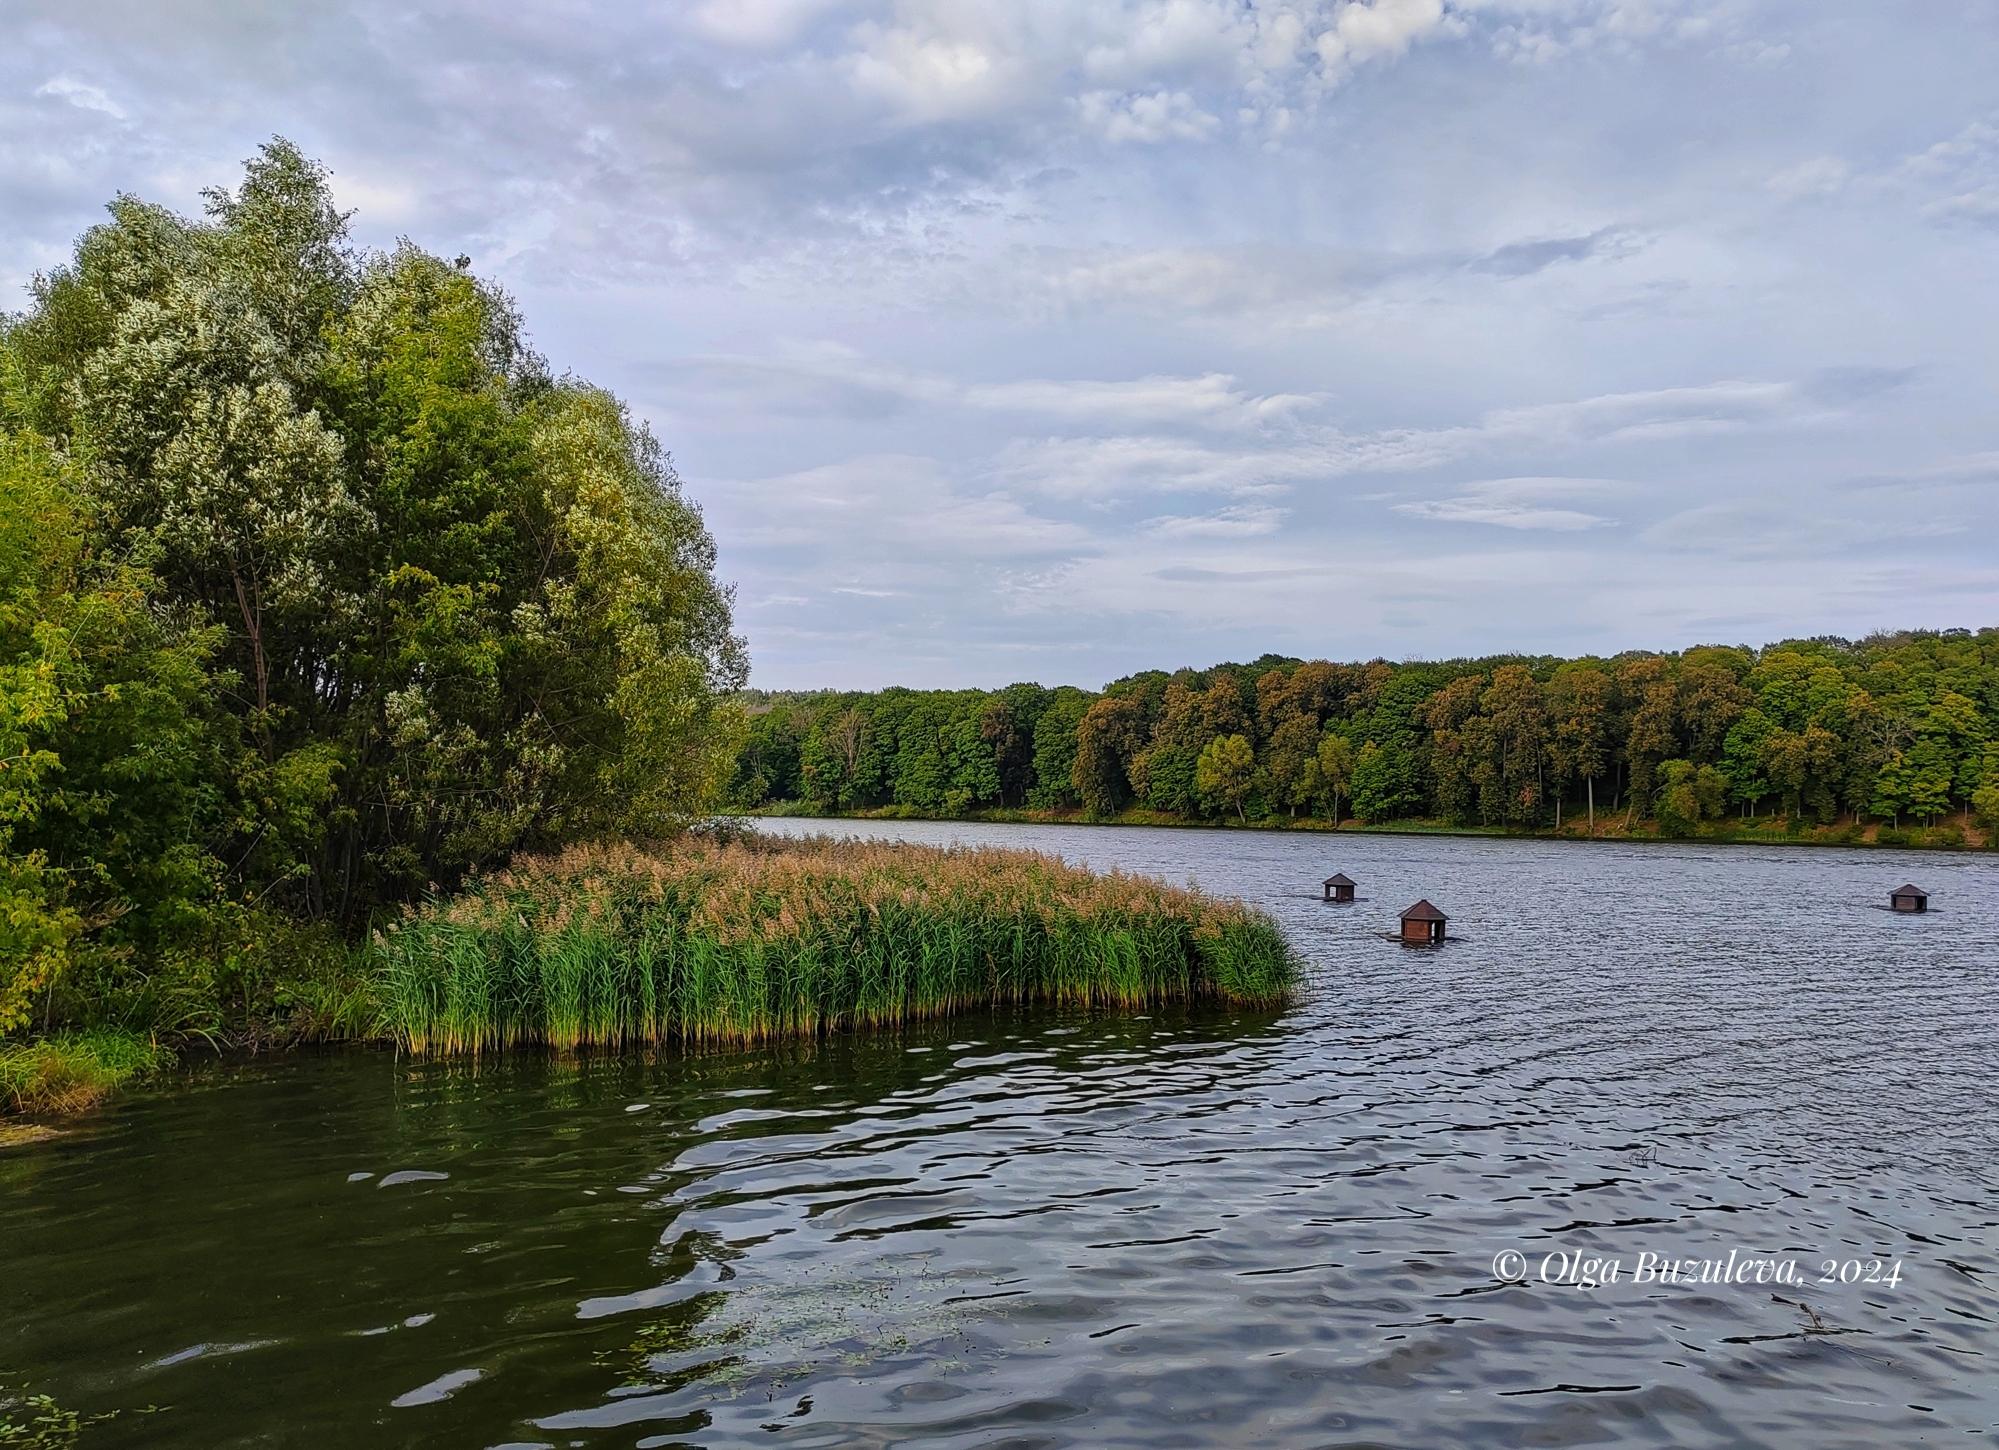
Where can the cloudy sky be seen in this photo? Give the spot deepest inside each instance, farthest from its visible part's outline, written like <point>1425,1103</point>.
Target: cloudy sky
<point>1021,339</point>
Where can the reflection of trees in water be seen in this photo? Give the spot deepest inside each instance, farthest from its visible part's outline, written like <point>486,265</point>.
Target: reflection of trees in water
<point>748,1321</point>
<point>771,1323</point>
<point>687,1083</point>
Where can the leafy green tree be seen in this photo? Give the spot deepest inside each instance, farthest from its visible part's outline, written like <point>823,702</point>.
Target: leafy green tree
<point>1711,790</point>
<point>769,766</point>
<point>1162,772</point>
<point>1458,740</point>
<point>1108,737</point>
<point>923,756</point>
<point>1289,762</point>
<point>1688,795</point>
<point>1930,774</point>
<point>830,753</point>
<point>1893,788</point>
<point>1579,708</point>
<point>1958,729</point>
<point>1651,738</point>
<point>1819,725</point>
<point>1055,750</point>
<point>106,818</point>
<point>1007,723</point>
<point>460,606</point>
<point>1821,765</point>
<point>975,766</point>
<point>1386,784</point>
<point>1711,698</point>
<point>1745,756</point>
<point>1331,776</point>
<point>1517,744</point>
<point>1224,772</point>
<point>1985,803</point>
<point>1678,808</point>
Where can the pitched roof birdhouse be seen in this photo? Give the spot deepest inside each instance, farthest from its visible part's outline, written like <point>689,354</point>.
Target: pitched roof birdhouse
<point>1422,925</point>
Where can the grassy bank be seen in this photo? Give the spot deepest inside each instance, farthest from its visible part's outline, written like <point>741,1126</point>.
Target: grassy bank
<point>270,985</point>
<point>73,1071</point>
<point>1948,835</point>
<point>744,941</point>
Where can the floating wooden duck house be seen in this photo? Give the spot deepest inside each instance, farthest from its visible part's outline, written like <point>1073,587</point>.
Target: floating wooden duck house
<point>1339,887</point>
<point>1422,925</point>
<point>1909,898</point>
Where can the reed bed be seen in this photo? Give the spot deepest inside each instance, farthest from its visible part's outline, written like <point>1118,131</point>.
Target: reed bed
<point>744,941</point>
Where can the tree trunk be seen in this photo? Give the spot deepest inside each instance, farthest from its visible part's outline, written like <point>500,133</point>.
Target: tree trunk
<point>253,626</point>
<point>1592,805</point>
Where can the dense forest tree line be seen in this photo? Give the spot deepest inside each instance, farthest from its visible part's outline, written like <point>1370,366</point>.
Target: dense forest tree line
<point>317,588</point>
<point>1901,728</point>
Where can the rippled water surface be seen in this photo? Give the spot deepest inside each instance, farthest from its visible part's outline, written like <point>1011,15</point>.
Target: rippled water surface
<point>1270,1229</point>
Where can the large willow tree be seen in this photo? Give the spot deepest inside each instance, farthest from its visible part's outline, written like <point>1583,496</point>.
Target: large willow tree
<point>445,604</point>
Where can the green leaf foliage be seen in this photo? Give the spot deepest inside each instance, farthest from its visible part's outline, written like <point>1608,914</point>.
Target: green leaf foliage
<point>1898,728</point>
<point>318,587</point>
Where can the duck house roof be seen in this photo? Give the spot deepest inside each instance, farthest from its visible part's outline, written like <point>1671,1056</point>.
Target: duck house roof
<point>1338,878</point>
<point>1423,911</point>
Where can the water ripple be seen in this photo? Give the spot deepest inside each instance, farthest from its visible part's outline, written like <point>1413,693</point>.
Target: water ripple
<point>1183,1229</point>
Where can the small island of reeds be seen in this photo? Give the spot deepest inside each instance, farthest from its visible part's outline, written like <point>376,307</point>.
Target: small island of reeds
<point>704,941</point>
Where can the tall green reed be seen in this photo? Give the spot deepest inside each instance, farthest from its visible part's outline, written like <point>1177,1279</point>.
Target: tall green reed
<point>707,942</point>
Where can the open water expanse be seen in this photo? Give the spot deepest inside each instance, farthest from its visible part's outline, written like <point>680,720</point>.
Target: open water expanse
<point>1189,1229</point>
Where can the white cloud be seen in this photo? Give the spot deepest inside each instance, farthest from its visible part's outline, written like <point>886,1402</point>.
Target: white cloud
<point>1177,38</point>
<point>1979,206</point>
<point>1154,310</point>
<point>1211,400</point>
<point>82,95</point>
<point>1653,415</point>
<point>1778,528</point>
<point>1820,176</point>
<point>1544,31</point>
<point>828,377</point>
<point>1520,503</point>
<point>755,24</point>
<point>1137,465</point>
<point>930,78</point>
<point>1241,521</point>
<point>1971,150</point>
<point>1366,29</point>
<point>1199,279</point>
<point>1160,116</point>
<point>888,507</point>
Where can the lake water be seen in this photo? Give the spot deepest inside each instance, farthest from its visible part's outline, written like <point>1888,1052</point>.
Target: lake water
<point>1193,1229</point>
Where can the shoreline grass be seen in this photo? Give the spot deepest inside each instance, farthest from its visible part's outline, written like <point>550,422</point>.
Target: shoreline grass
<point>1947,835</point>
<point>73,1071</point>
<point>706,942</point>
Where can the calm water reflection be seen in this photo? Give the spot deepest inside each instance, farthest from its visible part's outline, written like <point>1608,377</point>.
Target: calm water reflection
<point>1204,1229</point>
